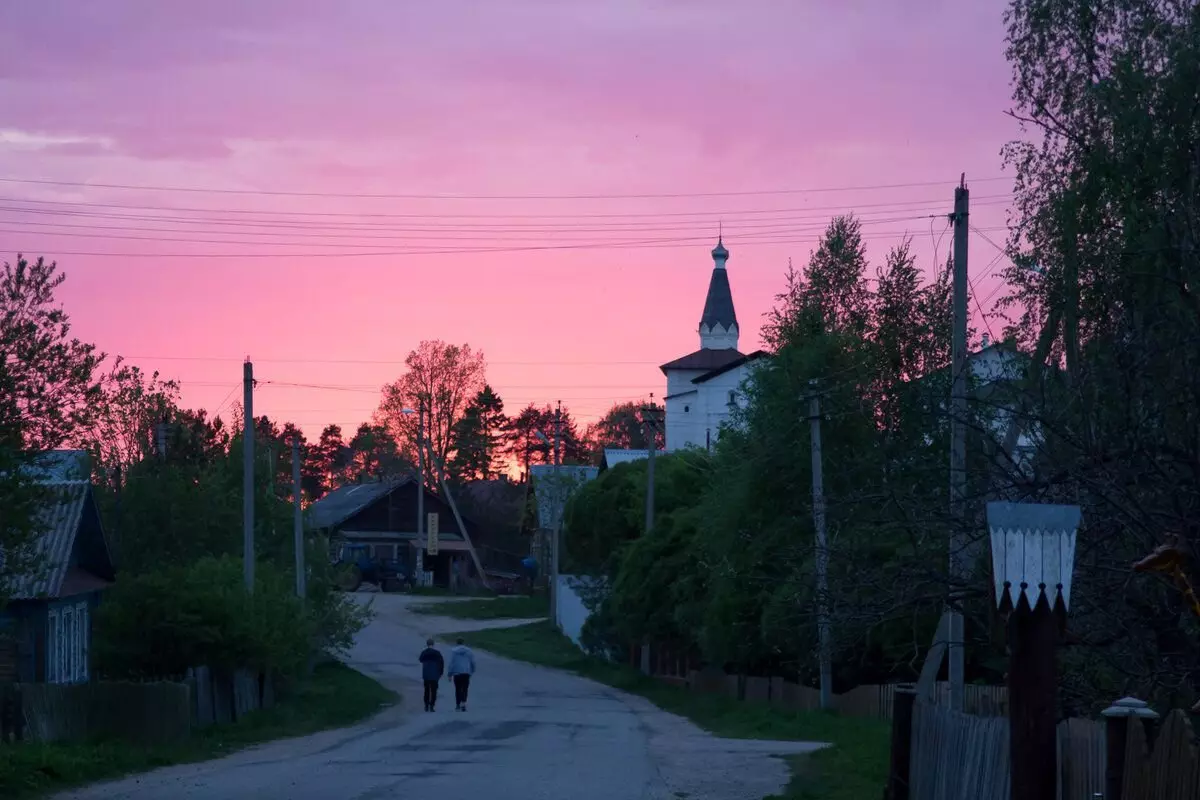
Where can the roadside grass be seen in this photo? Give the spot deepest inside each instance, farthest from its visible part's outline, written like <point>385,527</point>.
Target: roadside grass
<point>522,607</point>
<point>333,696</point>
<point>440,591</point>
<point>853,768</point>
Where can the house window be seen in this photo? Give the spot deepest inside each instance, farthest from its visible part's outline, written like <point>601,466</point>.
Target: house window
<point>732,398</point>
<point>686,409</point>
<point>67,644</point>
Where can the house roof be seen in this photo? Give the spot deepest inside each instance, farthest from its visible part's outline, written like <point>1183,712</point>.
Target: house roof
<point>746,359</point>
<point>60,465</point>
<point>553,487</point>
<point>704,359</point>
<point>341,504</point>
<point>58,522</point>
<point>614,456</point>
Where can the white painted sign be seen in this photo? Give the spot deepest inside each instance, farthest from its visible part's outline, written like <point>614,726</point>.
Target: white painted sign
<point>431,527</point>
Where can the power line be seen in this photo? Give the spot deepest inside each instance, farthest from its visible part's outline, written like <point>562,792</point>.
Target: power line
<point>778,230</point>
<point>304,217</point>
<point>635,244</point>
<point>410,196</point>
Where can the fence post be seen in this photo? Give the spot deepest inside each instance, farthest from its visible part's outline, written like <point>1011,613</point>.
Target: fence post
<point>1117,719</point>
<point>902,719</point>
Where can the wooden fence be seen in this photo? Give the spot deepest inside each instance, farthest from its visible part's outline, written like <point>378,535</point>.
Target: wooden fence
<point>871,700</point>
<point>953,755</point>
<point>1168,770</point>
<point>140,712</point>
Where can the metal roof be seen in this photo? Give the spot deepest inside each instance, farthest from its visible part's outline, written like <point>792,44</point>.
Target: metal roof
<point>718,304</point>
<point>553,487</point>
<point>746,359</point>
<point>57,522</point>
<point>614,456</point>
<point>341,504</point>
<point>704,359</point>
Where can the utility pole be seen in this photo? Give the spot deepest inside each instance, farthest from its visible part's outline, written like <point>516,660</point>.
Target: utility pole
<point>248,474</point>
<point>958,444</point>
<point>558,512</point>
<point>650,417</point>
<point>825,655</point>
<point>298,521</point>
<point>420,475</point>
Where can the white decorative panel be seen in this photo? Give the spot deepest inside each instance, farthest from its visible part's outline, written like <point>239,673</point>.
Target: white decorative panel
<point>1033,545</point>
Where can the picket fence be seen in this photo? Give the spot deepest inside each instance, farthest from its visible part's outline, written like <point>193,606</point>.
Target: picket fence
<point>141,712</point>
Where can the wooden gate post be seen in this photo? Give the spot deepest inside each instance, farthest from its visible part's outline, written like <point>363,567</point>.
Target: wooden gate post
<point>1117,719</point>
<point>1033,554</point>
<point>901,754</point>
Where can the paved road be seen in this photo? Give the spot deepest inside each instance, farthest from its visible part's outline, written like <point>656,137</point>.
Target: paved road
<point>530,734</point>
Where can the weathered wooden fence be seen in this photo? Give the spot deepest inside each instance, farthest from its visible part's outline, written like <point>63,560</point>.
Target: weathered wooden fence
<point>952,755</point>
<point>1169,769</point>
<point>141,712</point>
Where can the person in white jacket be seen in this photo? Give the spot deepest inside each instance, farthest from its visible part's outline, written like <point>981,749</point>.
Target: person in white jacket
<point>462,667</point>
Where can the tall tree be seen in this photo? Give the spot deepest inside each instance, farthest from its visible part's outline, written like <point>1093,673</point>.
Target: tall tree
<point>126,424</point>
<point>441,379</point>
<point>374,453</point>
<point>525,447</point>
<point>835,279</point>
<point>51,375</point>
<point>623,426</point>
<point>478,438</point>
<point>326,463</point>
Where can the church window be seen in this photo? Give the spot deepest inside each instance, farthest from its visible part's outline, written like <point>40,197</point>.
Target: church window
<point>686,409</point>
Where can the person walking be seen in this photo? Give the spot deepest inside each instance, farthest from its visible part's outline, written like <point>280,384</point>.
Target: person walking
<point>432,667</point>
<point>462,667</point>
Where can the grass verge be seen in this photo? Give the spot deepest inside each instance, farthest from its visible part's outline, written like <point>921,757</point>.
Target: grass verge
<point>334,696</point>
<point>524,607</point>
<point>854,768</point>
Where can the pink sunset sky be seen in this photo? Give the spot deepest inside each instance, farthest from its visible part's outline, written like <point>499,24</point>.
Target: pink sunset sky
<point>513,144</point>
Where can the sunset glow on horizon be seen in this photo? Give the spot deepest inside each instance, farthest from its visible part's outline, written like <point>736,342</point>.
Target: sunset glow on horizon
<point>320,186</point>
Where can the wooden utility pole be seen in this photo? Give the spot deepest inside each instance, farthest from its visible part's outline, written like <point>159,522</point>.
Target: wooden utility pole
<point>650,416</point>
<point>298,522</point>
<point>248,474</point>
<point>958,444</point>
<point>825,655</point>
<point>420,475</point>
<point>555,533</point>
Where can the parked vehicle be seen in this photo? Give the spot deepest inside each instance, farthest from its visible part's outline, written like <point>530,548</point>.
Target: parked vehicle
<point>357,566</point>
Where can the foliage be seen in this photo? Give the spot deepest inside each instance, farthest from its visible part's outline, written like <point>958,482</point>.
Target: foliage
<point>1103,276</point>
<point>440,383</point>
<point>159,624</point>
<point>624,427</point>
<point>526,446</point>
<point>51,376</point>
<point>478,438</point>
<point>333,696</point>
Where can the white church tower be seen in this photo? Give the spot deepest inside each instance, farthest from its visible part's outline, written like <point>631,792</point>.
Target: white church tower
<point>718,323</point>
<point>703,387</point>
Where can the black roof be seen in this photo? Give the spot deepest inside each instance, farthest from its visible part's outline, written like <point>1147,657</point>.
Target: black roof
<point>757,354</point>
<point>718,305</point>
<point>705,359</point>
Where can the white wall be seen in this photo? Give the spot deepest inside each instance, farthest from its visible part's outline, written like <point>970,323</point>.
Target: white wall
<point>571,611</point>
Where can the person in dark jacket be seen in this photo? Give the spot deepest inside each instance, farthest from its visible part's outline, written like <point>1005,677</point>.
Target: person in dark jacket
<point>432,667</point>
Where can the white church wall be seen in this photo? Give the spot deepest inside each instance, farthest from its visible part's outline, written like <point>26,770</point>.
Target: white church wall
<point>718,337</point>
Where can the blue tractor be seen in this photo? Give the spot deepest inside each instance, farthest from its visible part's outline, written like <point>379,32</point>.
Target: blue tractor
<point>355,566</point>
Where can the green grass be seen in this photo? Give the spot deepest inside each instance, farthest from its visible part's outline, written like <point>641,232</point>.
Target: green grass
<point>334,696</point>
<point>523,607</point>
<point>854,768</point>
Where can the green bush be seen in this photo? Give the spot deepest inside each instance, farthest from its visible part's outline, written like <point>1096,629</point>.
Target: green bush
<point>159,624</point>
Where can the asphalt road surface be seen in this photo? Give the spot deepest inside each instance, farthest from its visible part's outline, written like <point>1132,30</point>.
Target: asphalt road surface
<point>529,734</point>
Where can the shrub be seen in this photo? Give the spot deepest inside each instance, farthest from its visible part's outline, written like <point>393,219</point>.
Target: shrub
<point>158,624</point>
